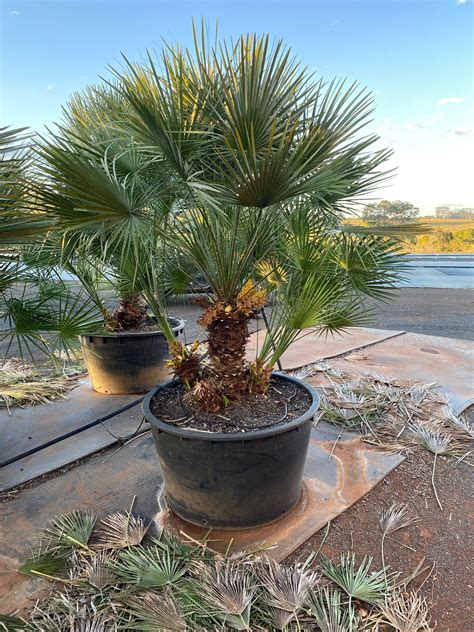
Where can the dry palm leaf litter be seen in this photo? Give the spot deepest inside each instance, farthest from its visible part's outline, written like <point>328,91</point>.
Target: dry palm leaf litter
<point>393,414</point>
<point>112,574</point>
<point>22,385</point>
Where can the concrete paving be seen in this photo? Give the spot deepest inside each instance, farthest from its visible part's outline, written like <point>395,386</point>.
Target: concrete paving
<point>29,427</point>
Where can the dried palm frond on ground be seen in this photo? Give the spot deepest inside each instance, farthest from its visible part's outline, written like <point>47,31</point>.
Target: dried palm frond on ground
<point>393,414</point>
<point>404,612</point>
<point>21,384</point>
<point>120,531</point>
<point>165,584</point>
<point>397,516</point>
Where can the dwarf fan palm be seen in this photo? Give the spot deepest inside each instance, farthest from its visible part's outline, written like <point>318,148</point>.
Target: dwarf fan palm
<point>268,159</point>
<point>230,167</point>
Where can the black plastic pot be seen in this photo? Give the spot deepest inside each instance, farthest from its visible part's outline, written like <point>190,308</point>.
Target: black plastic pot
<point>231,480</point>
<point>127,362</point>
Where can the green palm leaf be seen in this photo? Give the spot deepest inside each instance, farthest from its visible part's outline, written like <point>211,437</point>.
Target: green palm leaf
<point>359,582</point>
<point>147,568</point>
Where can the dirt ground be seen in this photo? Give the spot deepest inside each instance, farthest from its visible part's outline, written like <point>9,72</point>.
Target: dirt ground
<point>443,538</point>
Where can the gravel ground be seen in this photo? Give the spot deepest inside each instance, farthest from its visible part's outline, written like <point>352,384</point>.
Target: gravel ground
<point>431,311</point>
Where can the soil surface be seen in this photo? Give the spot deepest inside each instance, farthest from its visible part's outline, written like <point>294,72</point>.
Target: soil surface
<point>443,538</point>
<point>283,403</point>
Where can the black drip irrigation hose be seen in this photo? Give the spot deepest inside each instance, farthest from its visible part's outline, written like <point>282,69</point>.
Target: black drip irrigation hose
<point>67,435</point>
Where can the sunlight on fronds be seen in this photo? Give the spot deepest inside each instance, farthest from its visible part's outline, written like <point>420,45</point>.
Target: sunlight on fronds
<point>22,385</point>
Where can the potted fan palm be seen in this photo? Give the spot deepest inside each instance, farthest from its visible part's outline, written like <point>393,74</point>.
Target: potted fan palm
<point>59,284</point>
<point>268,161</point>
<point>240,169</point>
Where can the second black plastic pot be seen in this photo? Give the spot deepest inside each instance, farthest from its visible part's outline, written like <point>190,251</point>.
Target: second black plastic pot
<point>127,362</point>
<point>231,480</point>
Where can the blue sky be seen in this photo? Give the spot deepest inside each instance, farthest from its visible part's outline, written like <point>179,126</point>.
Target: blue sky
<point>416,56</point>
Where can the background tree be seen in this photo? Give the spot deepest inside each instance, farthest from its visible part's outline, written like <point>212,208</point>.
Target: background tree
<point>451,211</point>
<point>386,212</point>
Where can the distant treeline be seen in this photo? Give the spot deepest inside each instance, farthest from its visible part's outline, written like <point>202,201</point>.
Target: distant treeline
<point>458,241</point>
<point>448,235</point>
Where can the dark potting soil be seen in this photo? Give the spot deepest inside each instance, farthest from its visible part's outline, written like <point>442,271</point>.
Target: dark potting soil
<point>143,328</point>
<point>283,402</point>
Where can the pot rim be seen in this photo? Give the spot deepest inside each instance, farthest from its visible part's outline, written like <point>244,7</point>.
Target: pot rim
<point>177,325</point>
<point>231,436</point>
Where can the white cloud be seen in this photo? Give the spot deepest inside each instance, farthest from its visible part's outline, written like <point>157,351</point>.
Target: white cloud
<point>428,121</point>
<point>452,100</point>
<point>51,86</point>
<point>335,22</point>
<point>14,12</point>
<point>461,1</point>
<point>415,125</point>
<point>462,131</point>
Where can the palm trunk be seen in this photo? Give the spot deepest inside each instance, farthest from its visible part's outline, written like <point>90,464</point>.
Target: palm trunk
<point>131,313</point>
<point>227,339</point>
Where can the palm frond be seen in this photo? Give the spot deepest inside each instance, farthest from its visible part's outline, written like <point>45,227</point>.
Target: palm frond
<point>405,612</point>
<point>9,623</point>
<point>72,530</point>
<point>46,563</point>
<point>97,570</point>
<point>330,614</point>
<point>148,567</point>
<point>435,442</point>
<point>22,385</point>
<point>119,531</point>
<point>287,586</point>
<point>397,516</point>
<point>359,582</point>
<point>152,611</point>
<point>226,587</point>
